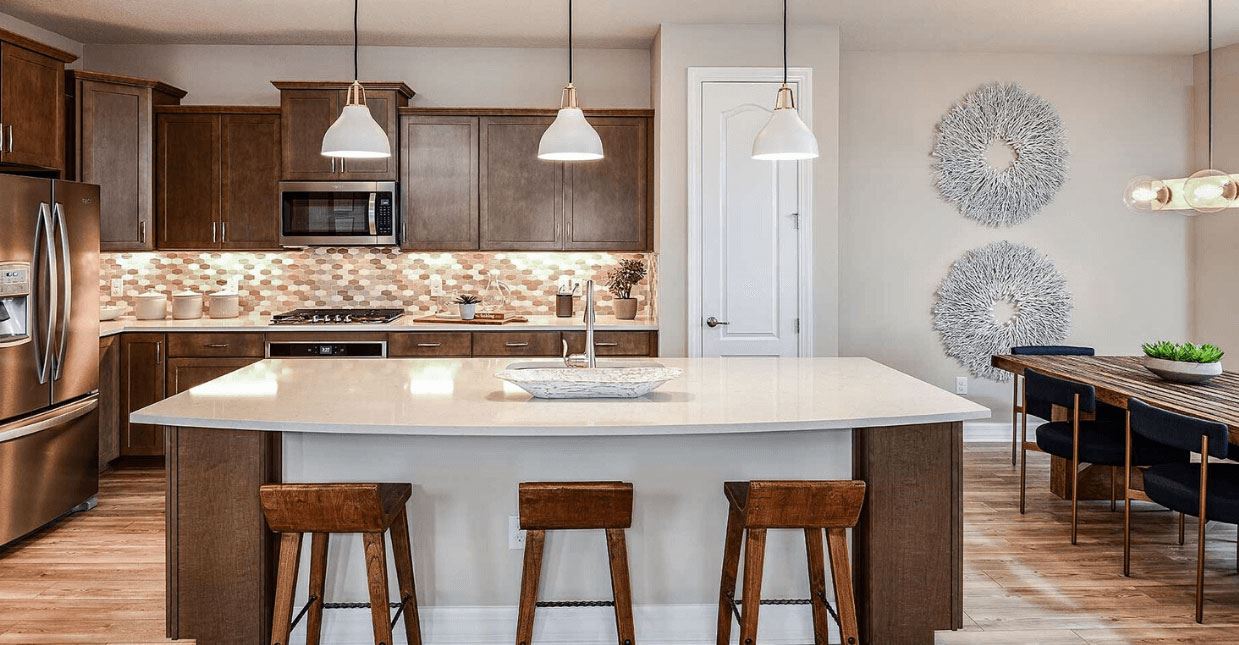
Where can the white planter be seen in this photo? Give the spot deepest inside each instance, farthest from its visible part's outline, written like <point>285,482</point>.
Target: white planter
<point>1182,372</point>
<point>467,312</point>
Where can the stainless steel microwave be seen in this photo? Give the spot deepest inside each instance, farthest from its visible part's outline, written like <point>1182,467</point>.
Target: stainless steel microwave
<point>338,213</point>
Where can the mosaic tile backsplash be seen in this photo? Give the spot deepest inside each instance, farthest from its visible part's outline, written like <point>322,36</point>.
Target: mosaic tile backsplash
<point>273,282</point>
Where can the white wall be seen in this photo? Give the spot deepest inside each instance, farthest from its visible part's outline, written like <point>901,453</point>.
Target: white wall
<point>679,47</point>
<point>441,76</point>
<point>1127,272</point>
<point>42,35</point>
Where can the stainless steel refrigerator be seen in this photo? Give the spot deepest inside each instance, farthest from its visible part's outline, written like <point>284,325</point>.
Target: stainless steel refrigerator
<point>49,351</point>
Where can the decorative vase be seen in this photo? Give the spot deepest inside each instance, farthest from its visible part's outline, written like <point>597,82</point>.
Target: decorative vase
<point>467,312</point>
<point>1181,371</point>
<point>625,308</point>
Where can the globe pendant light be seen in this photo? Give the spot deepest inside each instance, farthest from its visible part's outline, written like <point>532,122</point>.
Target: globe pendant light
<point>1205,191</point>
<point>356,135</point>
<point>570,137</point>
<point>785,137</point>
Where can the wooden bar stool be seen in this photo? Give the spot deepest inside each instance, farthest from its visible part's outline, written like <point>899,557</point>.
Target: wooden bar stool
<point>553,506</point>
<point>322,509</point>
<point>814,506</point>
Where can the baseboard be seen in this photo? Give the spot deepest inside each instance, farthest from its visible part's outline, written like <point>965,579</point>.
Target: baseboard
<point>987,431</point>
<point>654,625</point>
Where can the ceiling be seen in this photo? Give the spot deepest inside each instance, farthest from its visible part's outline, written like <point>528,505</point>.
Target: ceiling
<point>1092,26</point>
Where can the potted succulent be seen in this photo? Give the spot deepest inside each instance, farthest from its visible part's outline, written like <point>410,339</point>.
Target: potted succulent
<point>620,282</point>
<point>1183,363</point>
<point>468,304</point>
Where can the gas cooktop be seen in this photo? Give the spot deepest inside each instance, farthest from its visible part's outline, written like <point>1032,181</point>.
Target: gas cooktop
<point>336,316</point>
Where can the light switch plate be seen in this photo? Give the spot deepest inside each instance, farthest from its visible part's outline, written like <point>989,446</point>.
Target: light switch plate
<point>436,285</point>
<point>118,287</point>
<point>961,384</point>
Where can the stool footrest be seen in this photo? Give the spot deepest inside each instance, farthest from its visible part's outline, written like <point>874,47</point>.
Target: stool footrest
<point>574,603</point>
<point>736,604</point>
<point>358,605</point>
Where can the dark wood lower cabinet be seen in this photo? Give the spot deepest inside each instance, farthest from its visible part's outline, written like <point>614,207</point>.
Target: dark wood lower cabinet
<point>435,344</point>
<point>615,343</point>
<point>528,343</point>
<point>142,363</point>
<point>186,373</point>
<point>109,400</point>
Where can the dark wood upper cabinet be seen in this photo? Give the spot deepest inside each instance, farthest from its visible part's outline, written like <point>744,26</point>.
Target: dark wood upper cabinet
<point>32,103</point>
<point>439,176</point>
<point>113,134</point>
<point>216,177</point>
<point>521,196</point>
<point>309,108</point>
<point>142,363</point>
<point>609,201</point>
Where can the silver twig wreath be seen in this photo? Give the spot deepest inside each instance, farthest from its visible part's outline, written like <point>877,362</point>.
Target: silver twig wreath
<point>1010,115</point>
<point>996,297</point>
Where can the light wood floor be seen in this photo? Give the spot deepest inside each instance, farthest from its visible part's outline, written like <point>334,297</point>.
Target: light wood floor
<point>1025,583</point>
<point>98,577</point>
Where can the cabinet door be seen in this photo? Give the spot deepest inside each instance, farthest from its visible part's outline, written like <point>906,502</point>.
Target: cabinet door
<point>250,175</point>
<point>186,373</point>
<point>187,181</point>
<point>141,383</point>
<point>115,151</point>
<point>32,108</point>
<point>109,400</point>
<point>609,200</point>
<point>382,106</point>
<point>307,115</point>
<point>434,344</point>
<point>522,196</point>
<point>439,182</point>
<point>508,343</point>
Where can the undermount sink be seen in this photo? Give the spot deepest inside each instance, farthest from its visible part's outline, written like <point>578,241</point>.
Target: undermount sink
<point>555,365</point>
<point>610,380</point>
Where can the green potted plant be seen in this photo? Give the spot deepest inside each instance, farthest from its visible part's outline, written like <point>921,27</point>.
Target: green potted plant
<point>1184,362</point>
<point>468,304</point>
<point>620,282</point>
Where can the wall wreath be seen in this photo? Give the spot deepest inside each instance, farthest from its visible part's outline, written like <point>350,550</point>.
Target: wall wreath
<point>1004,114</point>
<point>996,297</point>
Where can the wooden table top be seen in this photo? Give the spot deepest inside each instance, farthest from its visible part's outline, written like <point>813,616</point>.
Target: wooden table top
<point>1118,378</point>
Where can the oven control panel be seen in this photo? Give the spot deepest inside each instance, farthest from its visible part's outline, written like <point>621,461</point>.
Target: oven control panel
<point>337,349</point>
<point>14,279</point>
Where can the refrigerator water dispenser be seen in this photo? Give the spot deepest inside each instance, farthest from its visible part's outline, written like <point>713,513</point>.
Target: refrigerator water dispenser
<point>14,302</point>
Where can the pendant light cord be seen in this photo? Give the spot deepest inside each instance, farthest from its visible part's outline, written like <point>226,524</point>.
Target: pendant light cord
<point>1210,83</point>
<point>785,41</point>
<point>356,6</point>
<point>569,42</point>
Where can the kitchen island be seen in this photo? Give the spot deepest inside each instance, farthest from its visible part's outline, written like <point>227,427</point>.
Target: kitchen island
<point>464,439</point>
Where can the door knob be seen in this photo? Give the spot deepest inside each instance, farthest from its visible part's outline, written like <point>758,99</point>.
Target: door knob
<point>715,322</point>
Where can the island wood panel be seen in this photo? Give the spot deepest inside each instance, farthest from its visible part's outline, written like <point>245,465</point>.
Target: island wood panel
<point>909,542</point>
<point>439,170</point>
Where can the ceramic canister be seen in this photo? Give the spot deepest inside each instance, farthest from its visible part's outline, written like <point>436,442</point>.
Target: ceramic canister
<point>225,304</point>
<point>151,305</point>
<point>186,305</point>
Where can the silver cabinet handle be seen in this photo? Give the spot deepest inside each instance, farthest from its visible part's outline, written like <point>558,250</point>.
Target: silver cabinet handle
<point>159,353</point>
<point>333,164</point>
<point>512,344</point>
<point>213,227</point>
<point>715,322</point>
<point>223,231</point>
<point>606,344</point>
<point>1,137</point>
<point>430,344</point>
<point>10,137</point>
<point>142,232</point>
<point>216,345</point>
<point>62,224</point>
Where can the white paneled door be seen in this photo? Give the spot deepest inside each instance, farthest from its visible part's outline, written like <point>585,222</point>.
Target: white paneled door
<point>749,251</point>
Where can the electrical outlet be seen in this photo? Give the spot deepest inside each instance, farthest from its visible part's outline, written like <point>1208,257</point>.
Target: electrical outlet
<point>516,537</point>
<point>961,384</point>
<point>118,287</point>
<point>436,285</point>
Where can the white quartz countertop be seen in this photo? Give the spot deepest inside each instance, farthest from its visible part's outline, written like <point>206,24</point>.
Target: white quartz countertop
<point>404,323</point>
<point>462,397</point>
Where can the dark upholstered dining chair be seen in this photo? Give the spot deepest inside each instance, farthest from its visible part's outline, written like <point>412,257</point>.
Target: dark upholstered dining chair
<point>1101,441</point>
<point>1036,350</point>
<point>1210,491</point>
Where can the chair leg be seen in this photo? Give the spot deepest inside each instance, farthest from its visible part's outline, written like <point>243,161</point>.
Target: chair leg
<point>1200,538</point>
<point>1127,498</point>
<point>727,585</point>
<point>1015,410</point>
<point>754,558</point>
<point>1075,475</point>
<point>318,579</point>
<point>621,591</point>
<point>1182,527</point>
<point>376,578</point>
<point>403,554</point>
<point>1113,478</point>
<point>841,576</point>
<point>285,586</point>
<point>817,583</point>
<point>530,572</point>
<point>1023,452</point>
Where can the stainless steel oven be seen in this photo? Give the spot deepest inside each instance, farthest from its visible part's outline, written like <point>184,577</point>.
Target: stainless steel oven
<point>338,213</point>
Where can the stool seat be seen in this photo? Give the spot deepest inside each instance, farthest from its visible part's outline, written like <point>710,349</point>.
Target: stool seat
<point>796,504</point>
<point>333,508</point>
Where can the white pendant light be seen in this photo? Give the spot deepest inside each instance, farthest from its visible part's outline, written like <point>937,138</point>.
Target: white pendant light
<point>785,137</point>
<point>355,134</point>
<point>570,137</point>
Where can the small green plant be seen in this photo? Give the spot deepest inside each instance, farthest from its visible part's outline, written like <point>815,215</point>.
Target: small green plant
<point>624,277</point>
<point>467,299</point>
<point>1185,352</point>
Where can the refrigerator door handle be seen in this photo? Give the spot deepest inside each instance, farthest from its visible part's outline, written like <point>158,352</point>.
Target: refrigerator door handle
<point>67,310</point>
<point>48,420</point>
<point>42,229</point>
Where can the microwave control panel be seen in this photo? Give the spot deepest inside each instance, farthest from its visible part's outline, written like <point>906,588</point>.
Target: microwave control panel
<point>383,219</point>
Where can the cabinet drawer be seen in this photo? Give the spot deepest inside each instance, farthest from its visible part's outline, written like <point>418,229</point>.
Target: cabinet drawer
<point>225,344</point>
<point>612,343</point>
<point>430,344</point>
<point>531,343</point>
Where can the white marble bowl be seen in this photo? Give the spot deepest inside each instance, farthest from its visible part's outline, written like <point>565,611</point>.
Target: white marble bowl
<point>110,312</point>
<point>586,383</point>
<point>1182,372</point>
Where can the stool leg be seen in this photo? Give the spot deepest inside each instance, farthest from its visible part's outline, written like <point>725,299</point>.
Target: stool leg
<point>731,565</point>
<point>817,584</point>
<point>621,591</point>
<point>318,578</point>
<point>285,585</point>
<point>376,576</point>
<point>402,551</point>
<point>754,558</point>
<point>530,572</point>
<point>841,576</point>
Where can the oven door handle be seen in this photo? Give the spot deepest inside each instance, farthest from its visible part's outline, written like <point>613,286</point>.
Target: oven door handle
<point>371,214</point>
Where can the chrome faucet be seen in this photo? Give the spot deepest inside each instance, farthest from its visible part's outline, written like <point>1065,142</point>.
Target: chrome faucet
<point>590,357</point>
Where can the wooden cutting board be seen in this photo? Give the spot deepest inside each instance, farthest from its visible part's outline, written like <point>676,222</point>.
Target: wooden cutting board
<point>456,320</point>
